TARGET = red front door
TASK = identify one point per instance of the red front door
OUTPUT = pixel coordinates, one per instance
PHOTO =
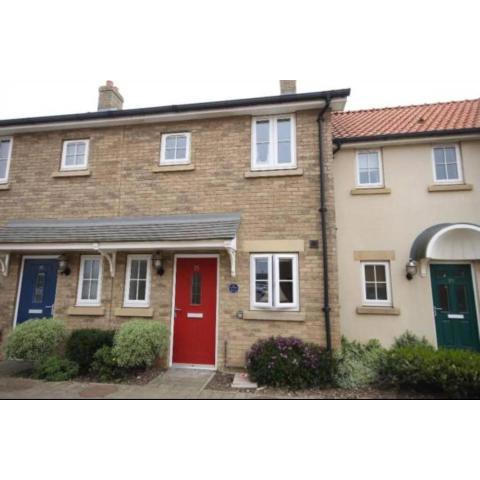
(195, 314)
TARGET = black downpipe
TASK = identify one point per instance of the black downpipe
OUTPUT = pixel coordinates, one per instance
(323, 218)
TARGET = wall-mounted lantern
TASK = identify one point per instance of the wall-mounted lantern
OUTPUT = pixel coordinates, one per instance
(158, 264)
(63, 267)
(411, 269)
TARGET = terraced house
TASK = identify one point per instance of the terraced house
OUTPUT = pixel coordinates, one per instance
(207, 217)
(235, 220)
(407, 197)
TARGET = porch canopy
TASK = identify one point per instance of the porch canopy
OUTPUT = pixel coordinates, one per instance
(448, 241)
(107, 236)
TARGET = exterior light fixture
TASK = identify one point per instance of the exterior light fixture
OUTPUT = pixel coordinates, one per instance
(411, 268)
(63, 267)
(158, 264)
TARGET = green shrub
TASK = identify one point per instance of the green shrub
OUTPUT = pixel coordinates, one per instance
(36, 339)
(409, 339)
(357, 365)
(82, 345)
(289, 362)
(104, 365)
(454, 373)
(137, 343)
(55, 369)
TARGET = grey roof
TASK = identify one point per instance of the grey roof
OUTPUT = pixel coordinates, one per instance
(123, 229)
(420, 244)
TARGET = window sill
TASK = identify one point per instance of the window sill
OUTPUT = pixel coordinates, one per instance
(273, 315)
(86, 311)
(72, 173)
(451, 187)
(295, 172)
(371, 191)
(4, 186)
(134, 312)
(378, 311)
(173, 168)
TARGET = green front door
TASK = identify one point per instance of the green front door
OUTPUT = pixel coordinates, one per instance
(454, 306)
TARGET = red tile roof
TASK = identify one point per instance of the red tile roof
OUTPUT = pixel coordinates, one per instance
(414, 119)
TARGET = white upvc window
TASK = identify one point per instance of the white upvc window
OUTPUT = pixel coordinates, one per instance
(90, 281)
(369, 169)
(447, 165)
(274, 143)
(5, 155)
(137, 281)
(376, 284)
(175, 148)
(274, 281)
(75, 155)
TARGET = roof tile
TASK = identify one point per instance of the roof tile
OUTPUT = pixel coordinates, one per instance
(406, 120)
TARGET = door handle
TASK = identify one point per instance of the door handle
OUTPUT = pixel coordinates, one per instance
(51, 309)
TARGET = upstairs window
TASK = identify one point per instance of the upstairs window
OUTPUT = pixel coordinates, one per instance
(90, 281)
(5, 153)
(376, 284)
(75, 155)
(369, 169)
(273, 143)
(175, 149)
(447, 165)
(274, 281)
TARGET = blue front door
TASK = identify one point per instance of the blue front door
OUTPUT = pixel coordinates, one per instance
(37, 291)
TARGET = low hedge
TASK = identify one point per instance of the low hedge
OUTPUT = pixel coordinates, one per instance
(82, 345)
(55, 369)
(36, 339)
(453, 373)
(289, 362)
(104, 365)
(357, 364)
(139, 342)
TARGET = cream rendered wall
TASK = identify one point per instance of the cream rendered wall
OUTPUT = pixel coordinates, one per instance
(392, 222)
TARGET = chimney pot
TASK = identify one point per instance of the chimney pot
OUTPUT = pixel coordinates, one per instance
(287, 87)
(109, 97)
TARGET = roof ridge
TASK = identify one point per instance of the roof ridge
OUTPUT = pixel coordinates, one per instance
(365, 110)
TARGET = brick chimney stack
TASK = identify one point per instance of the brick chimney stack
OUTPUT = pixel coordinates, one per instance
(109, 98)
(288, 87)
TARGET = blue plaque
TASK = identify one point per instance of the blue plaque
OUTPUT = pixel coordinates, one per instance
(233, 288)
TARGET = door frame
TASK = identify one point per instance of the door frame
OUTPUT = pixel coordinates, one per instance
(172, 315)
(20, 280)
(474, 286)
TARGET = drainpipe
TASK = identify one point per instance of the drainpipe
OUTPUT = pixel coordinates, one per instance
(323, 217)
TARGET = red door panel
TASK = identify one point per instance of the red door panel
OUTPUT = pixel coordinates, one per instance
(195, 317)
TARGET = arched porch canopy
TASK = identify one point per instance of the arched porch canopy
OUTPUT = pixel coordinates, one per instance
(448, 241)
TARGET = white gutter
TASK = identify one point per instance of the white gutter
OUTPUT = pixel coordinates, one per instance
(109, 249)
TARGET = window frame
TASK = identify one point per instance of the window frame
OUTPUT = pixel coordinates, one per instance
(89, 303)
(381, 182)
(458, 158)
(273, 143)
(69, 168)
(377, 303)
(163, 146)
(5, 180)
(274, 282)
(137, 303)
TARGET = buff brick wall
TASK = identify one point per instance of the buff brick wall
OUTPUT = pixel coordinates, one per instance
(122, 183)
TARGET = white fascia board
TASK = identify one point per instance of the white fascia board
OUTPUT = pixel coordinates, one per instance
(274, 109)
(116, 246)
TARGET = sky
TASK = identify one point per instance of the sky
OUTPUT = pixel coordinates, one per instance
(158, 53)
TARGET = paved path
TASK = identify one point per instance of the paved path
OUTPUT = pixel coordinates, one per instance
(173, 384)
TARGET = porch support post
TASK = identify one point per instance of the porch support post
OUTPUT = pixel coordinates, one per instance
(111, 258)
(4, 264)
(231, 248)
